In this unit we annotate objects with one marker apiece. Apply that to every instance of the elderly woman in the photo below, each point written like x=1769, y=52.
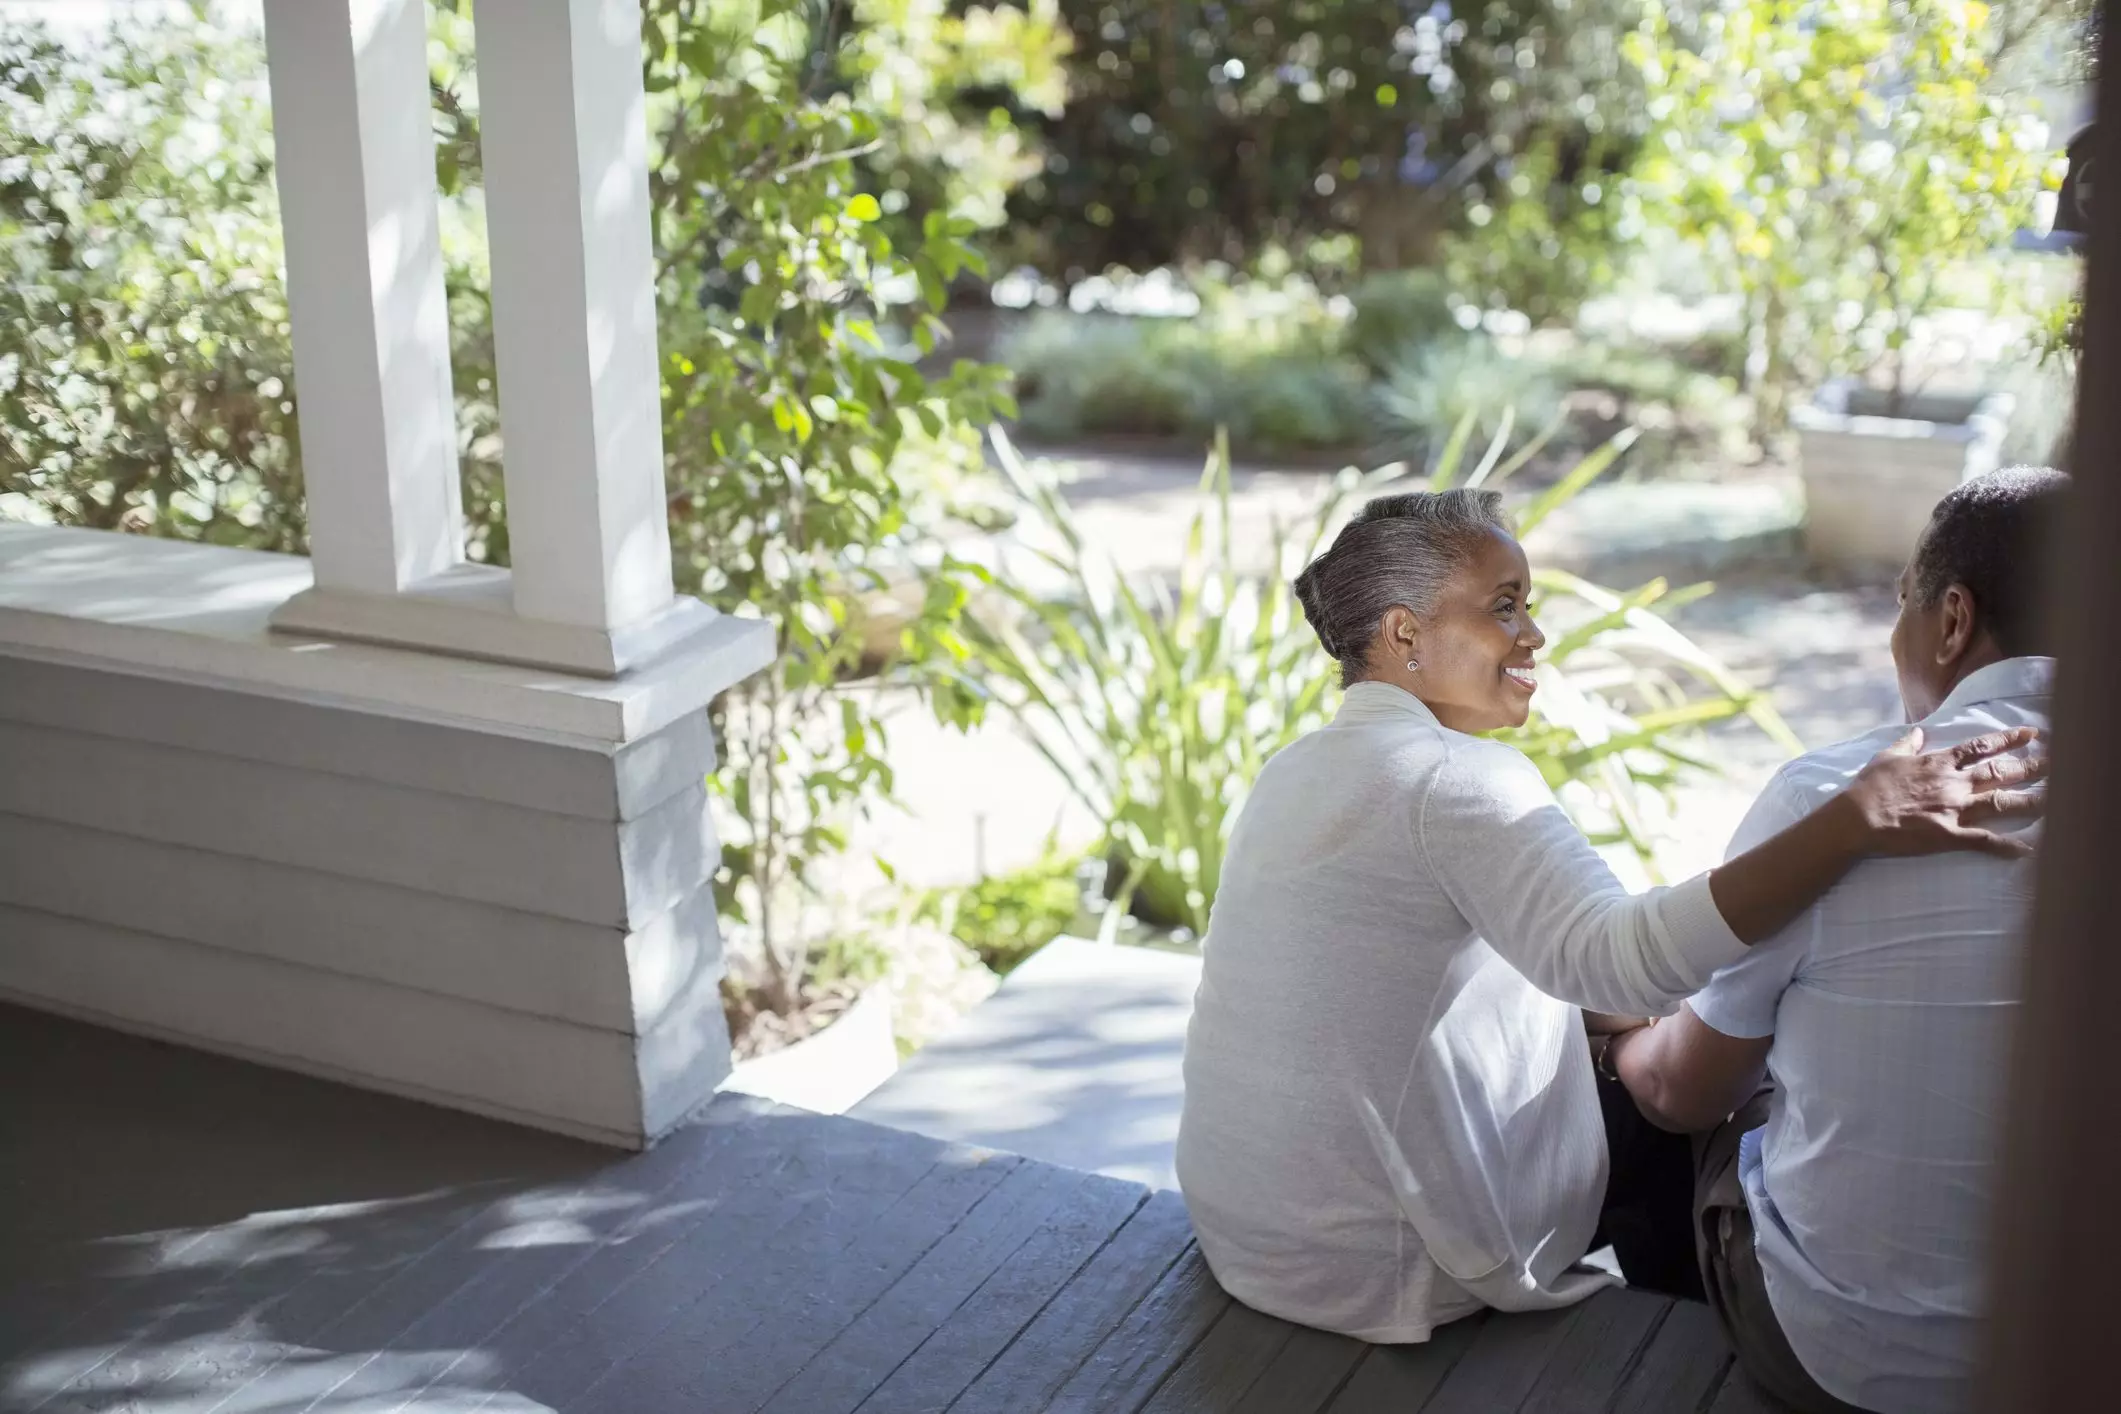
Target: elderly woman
x=1391, y=1118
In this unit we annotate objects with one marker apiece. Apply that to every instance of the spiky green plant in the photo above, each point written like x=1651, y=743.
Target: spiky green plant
x=1159, y=699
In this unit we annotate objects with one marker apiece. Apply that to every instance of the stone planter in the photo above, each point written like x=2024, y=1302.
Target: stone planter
x=1872, y=474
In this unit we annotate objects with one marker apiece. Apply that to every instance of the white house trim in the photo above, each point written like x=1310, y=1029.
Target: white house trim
x=489, y=768
x=353, y=136
x=204, y=614
x=564, y=142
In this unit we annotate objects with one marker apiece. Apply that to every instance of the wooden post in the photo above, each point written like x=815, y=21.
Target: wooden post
x=564, y=144
x=2058, y=1229
x=353, y=131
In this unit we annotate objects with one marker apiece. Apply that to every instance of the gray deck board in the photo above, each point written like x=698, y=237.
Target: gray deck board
x=967, y=1341
x=1033, y=1367
x=1403, y=1377
x=1685, y=1362
x=191, y=1235
x=679, y=1365
x=836, y=1343
x=1306, y=1373
x=1127, y=1366
x=562, y=1346
x=1739, y=1395
x=1222, y=1369
x=1602, y=1348
x=1502, y=1365
x=459, y=1294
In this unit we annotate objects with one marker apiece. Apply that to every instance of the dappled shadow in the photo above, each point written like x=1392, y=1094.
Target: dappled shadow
x=1064, y=1064
x=142, y=581
x=185, y=1232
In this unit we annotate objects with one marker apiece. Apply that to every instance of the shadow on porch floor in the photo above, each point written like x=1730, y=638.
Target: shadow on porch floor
x=180, y=1232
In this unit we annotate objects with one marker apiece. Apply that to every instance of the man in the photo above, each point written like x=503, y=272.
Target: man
x=1842, y=1244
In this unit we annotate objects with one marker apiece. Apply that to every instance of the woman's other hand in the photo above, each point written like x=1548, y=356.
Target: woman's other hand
x=1911, y=801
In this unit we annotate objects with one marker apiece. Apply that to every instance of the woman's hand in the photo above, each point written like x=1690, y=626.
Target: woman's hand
x=1911, y=801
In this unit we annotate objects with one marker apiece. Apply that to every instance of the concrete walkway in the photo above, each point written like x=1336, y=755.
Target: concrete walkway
x=1075, y=1060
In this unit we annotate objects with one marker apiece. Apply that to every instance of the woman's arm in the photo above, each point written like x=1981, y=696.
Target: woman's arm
x=1905, y=802
x=1521, y=873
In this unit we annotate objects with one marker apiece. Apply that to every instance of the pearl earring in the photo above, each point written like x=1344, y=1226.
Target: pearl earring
x=1412, y=665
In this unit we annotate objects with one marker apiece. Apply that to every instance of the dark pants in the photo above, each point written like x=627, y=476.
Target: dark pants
x=1730, y=1268
x=1676, y=1217
x=1648, y=1217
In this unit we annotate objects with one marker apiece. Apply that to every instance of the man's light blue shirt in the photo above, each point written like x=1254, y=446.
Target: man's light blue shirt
x=1890, y=1003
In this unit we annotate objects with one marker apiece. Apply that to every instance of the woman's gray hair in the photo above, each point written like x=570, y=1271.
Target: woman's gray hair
x=1399, y=550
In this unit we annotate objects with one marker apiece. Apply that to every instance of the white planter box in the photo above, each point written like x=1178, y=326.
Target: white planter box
x=834, y=1069
x=1871, y=479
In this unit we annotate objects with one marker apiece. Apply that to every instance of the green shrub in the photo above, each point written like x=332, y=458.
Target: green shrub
x=1429, y=390
x=145, y=370
x=1007, y=917
x=1291, y=400
x=1275, y=388
x=1397, y=311
x=1644, y=379
x=1159, y=701
x=1099, y=375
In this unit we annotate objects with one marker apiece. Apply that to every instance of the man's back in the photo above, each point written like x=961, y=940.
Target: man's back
x=1890, y=1005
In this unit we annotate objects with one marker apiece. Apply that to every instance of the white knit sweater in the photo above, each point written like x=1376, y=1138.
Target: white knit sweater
x=1390, y=1118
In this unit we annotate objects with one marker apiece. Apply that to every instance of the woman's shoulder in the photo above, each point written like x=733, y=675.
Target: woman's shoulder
x=1475, y=769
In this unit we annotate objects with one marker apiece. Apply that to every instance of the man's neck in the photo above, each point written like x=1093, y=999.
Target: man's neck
x=1984, y=654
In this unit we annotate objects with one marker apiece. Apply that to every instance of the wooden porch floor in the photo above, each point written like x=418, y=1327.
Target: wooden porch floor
x=186, y=1233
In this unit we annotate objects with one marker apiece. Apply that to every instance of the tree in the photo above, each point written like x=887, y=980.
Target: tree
x=1216, y=132
x=1842, y=161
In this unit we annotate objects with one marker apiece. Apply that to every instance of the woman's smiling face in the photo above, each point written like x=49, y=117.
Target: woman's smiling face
x=1475, y=649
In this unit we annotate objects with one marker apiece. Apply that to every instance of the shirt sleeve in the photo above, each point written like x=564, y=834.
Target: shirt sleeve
x=1741, y=1000
x=1516, y=866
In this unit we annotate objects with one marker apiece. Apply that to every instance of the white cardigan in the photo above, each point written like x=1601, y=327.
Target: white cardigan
x=1390, y=1118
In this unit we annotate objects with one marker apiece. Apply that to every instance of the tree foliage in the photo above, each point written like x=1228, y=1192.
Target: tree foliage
x=144, y=365
x=1201, y=131
x=1841, y=161
x=795, y=417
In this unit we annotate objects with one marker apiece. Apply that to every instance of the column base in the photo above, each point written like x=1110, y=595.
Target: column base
x=469, y=612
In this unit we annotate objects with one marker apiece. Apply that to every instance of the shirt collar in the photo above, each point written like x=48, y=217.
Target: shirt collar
x=2013, y=677
x=1373, y=701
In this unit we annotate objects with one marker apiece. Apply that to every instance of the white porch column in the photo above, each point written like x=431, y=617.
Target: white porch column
x=355, y=160
x=564, y=141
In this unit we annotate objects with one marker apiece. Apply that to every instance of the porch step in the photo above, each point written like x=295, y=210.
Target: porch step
x=1075, y=1060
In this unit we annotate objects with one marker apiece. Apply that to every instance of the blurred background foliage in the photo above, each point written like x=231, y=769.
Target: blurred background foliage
x=1329, y=232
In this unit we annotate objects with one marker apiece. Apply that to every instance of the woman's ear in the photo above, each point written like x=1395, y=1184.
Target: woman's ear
x=1401, y=633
